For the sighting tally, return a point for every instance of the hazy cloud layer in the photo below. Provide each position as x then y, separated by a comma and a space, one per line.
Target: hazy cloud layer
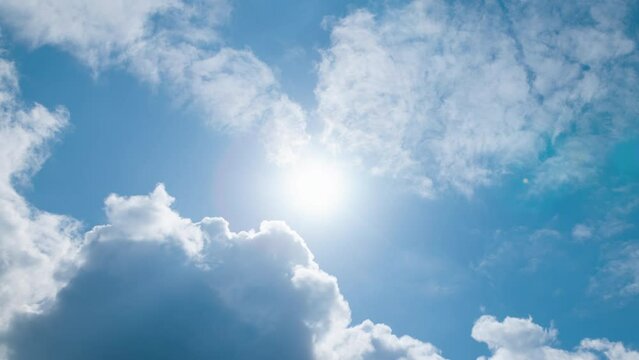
444, 95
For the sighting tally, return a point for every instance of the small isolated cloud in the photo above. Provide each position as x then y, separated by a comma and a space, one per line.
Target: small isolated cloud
517, 338
456, 96
581, 232
154, 284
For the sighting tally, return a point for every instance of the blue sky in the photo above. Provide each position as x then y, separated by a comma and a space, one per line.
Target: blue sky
424, 179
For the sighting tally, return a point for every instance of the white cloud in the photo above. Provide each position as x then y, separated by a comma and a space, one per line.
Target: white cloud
376, 341
233, 90
98, 33
612, 350
92, 31
435, 95
581, 232
513, 333
456, 96
254, 286
516, 338
175, 44
38, 250
249, 292
147, 218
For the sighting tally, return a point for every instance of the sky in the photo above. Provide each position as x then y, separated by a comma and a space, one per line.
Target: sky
320, 179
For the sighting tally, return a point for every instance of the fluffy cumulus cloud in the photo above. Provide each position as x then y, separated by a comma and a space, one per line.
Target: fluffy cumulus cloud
175, 44
516, 338
448, 95
157, 285
37, 249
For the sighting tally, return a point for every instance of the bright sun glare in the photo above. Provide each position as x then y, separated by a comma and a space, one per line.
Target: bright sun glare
316, 187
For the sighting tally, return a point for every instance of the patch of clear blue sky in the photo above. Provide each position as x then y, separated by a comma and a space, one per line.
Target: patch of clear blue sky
399, 259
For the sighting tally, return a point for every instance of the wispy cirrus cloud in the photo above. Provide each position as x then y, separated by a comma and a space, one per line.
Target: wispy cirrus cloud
617, 279
174, 44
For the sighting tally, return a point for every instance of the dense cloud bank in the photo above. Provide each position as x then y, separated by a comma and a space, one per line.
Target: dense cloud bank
154, 284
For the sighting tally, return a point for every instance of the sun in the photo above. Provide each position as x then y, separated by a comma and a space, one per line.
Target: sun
316, 186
